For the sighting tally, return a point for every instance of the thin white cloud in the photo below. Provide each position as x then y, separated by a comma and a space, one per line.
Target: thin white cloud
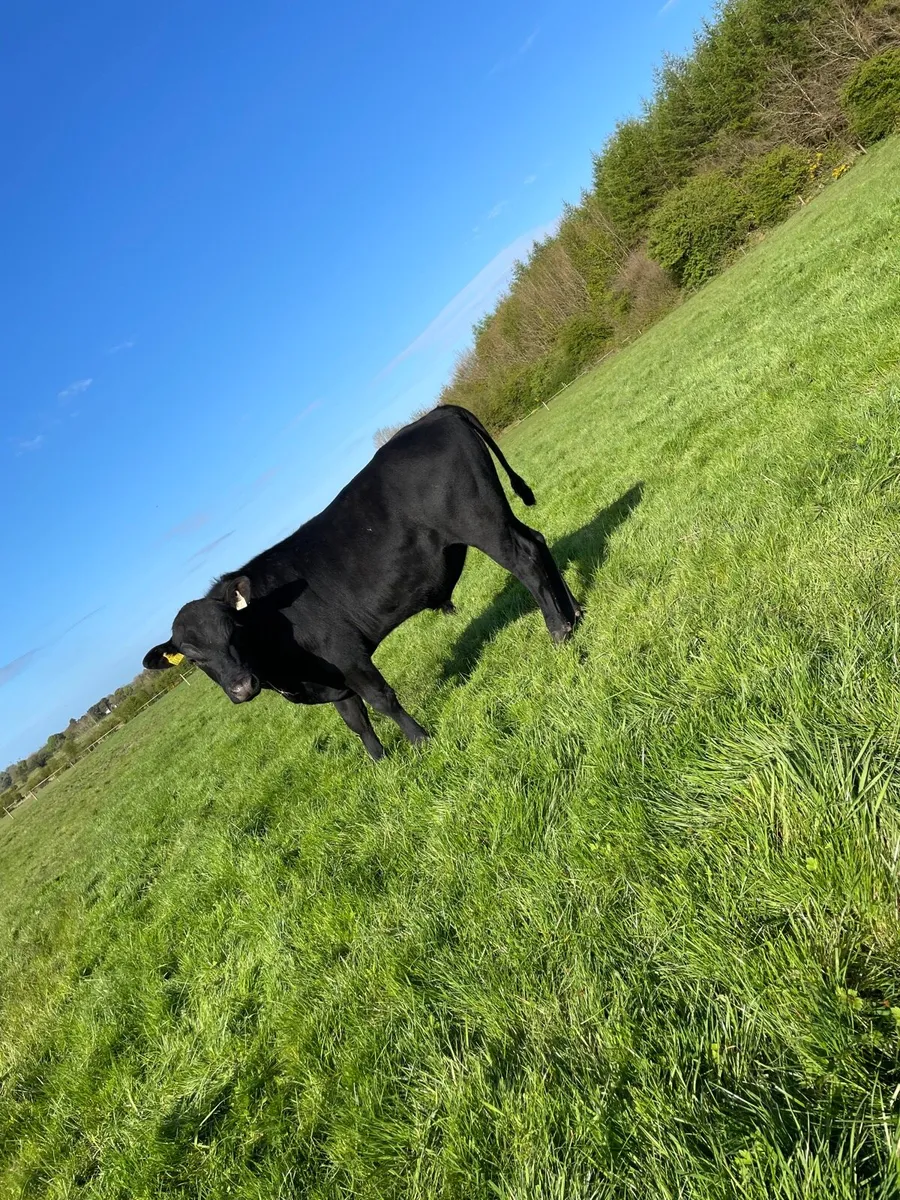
457, 317
665, 8
75, 389
80, 621
301, 416
117, 349
529, 179
189, 525
523, 49
16, 667
205, 550
497, 210
266, 478
254, 490
31, 444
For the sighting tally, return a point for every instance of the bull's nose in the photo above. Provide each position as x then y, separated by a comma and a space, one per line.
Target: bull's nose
244, 689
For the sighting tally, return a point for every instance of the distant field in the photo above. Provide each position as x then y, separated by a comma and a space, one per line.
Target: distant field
629, 926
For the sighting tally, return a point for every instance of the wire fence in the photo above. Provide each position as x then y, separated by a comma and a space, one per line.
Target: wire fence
546, 403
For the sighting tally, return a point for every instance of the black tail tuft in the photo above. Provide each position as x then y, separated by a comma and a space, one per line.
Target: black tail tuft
521, 488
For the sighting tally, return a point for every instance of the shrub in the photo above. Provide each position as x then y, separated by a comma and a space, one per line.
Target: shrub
696, 226
545, 378
871, 98
9, 799
643, 290
581, 341
131, 706
38, 776
773, 183
515, 396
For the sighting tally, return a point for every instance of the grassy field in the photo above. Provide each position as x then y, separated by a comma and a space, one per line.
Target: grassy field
628, 926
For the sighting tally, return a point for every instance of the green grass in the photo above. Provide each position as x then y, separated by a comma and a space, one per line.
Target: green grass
629, 926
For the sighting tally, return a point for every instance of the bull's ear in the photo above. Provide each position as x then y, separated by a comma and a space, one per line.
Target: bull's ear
164, 655
237, 592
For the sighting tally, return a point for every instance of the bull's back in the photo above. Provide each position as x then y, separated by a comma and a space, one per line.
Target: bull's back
436, 463
378, 548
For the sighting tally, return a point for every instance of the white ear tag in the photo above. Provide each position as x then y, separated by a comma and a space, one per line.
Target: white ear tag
240, 601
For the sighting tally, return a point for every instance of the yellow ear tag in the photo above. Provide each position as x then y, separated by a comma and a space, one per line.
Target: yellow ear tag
174, 659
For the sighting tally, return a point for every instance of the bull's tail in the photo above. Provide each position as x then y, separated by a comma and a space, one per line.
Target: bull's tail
518, 484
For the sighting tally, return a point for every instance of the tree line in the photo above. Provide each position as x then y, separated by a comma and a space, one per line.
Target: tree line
63, 749
774, 101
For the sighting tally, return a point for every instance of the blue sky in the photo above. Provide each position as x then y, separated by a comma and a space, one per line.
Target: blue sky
235, 241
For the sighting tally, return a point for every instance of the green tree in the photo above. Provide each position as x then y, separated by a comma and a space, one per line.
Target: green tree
629, 179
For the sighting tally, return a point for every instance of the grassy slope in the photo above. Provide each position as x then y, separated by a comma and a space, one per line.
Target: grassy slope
596, 939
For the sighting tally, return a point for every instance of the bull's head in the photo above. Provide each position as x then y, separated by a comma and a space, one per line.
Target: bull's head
209, 633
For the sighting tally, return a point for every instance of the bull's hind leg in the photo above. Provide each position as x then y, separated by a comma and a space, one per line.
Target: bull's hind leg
524, 553
454, 561
569, 605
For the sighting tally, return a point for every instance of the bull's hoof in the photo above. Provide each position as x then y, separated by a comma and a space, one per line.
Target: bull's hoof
561, 635
415, 733
448, 609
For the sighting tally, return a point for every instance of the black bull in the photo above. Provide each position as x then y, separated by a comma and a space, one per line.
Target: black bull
304, 617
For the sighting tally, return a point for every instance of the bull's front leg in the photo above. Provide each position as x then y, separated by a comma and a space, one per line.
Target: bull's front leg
368, 682
353, 713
